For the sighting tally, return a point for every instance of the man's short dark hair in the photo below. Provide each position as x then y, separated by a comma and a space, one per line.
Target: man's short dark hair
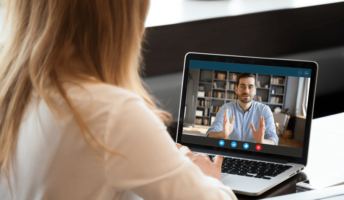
246, 75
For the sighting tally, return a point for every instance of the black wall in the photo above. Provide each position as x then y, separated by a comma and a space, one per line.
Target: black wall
266, 34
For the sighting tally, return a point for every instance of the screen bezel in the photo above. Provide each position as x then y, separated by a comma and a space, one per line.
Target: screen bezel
254, 61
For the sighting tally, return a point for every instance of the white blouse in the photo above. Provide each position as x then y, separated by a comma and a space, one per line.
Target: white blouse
52, 160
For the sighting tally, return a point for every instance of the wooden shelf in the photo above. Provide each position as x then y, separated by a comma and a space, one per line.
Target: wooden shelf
205, 83
200, 126
276, 104
215, 79
219, 89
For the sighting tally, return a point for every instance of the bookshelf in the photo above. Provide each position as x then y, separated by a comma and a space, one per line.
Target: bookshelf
216, 88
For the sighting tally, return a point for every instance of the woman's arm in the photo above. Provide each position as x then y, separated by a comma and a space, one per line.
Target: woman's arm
156, 168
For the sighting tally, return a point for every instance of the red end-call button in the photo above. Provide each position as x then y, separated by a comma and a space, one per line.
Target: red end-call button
258, 147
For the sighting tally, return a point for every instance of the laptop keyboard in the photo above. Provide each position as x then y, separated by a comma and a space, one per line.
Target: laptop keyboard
251, 168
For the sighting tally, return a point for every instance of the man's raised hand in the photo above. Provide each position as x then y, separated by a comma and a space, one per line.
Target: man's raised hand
227, 127
258, 135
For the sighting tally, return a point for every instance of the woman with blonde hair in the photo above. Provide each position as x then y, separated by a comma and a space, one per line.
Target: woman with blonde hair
75, 120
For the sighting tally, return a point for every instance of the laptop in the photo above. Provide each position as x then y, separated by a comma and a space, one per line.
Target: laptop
276, 96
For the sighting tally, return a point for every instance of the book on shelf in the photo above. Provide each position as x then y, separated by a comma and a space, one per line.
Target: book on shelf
212, 119
278, 81
276, 100
258, 84
258, 98
206, 110
207, 102
200, 93
204, 103
219, 94
209, 94
232, 86
214, 85
215, 108
232, 77
232, 96
199, 121
201, 88
221, 76
277, 90
206, 122
199, 113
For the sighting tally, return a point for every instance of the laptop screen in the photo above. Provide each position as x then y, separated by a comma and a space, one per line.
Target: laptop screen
246, 107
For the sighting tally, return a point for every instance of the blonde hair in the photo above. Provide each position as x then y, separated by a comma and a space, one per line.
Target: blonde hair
105, 34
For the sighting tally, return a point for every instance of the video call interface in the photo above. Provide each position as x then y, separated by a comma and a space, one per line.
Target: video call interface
246, 107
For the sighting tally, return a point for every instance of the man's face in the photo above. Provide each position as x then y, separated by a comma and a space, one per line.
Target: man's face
246, 89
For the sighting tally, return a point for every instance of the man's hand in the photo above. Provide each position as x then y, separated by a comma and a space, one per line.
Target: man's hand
227, 127
258, 135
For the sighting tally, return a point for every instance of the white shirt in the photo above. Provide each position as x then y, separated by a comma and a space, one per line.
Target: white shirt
53, 161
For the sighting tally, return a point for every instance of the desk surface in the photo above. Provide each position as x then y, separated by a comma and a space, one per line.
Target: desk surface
325, 155
166, 12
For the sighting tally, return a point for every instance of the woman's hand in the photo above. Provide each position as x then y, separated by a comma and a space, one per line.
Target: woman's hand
203, 161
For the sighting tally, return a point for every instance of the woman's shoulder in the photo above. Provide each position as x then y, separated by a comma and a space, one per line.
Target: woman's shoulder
101, 94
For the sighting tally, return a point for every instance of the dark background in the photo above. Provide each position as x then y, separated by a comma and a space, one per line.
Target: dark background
311, 33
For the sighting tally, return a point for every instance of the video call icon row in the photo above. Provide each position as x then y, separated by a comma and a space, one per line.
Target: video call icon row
246, 145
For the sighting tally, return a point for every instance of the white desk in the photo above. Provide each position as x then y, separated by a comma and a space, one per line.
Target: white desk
326, 146
165, 12
325, 155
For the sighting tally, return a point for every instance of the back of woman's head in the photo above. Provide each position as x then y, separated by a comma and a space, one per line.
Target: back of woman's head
41, 37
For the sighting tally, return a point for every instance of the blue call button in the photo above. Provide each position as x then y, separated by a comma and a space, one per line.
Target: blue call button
221, 142
233, 144
246, 146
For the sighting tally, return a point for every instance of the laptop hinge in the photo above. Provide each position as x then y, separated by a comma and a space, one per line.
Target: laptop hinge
240, 155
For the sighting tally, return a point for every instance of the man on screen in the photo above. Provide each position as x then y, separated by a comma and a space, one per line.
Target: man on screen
250, 121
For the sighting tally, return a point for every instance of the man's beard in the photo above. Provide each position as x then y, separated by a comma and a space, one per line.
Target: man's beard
248, 100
